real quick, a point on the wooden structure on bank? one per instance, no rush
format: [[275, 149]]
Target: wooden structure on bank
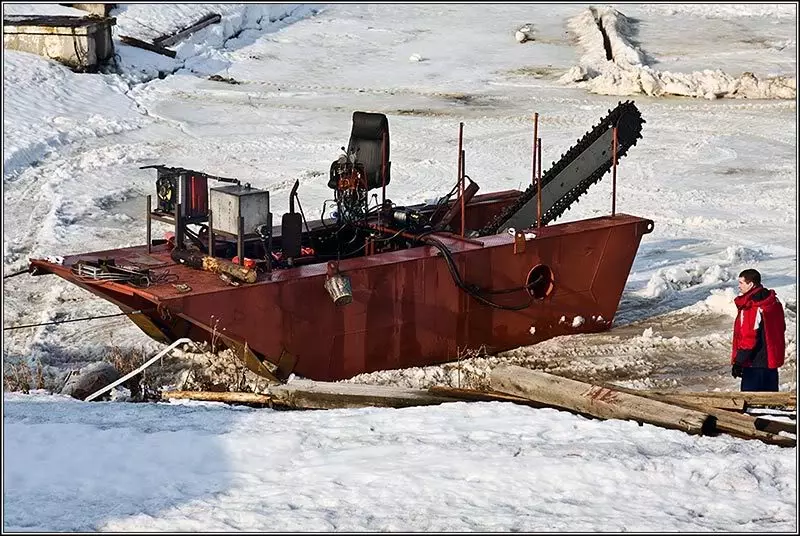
[[81, 43]]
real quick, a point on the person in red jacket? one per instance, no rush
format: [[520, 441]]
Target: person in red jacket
[[758, 343]]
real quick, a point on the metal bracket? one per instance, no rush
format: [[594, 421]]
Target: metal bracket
[[519, 242]]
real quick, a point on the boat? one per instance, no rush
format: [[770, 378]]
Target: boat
[[373, 285]]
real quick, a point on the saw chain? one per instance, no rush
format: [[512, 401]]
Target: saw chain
[[575, 181]]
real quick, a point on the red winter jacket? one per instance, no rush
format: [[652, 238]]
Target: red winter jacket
[[759, 308]]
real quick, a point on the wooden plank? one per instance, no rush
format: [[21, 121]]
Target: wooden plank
[[132, 41], [597, 401], [743, 426], [730, 399], [169, 40], [774, 426], [483, 396], [736, 424], [227, 397], [306, 394]]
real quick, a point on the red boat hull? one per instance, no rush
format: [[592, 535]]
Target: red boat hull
[[406, 309]]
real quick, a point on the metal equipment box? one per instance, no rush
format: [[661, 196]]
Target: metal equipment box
[[228, 203]]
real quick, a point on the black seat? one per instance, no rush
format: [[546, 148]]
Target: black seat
[[369, 140]]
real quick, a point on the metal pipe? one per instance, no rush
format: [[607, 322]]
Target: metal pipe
[[533, 151], [384, 145], [149, 362], [460, 156], [389, 230], [212, 250], [178, 227], [614, 175], [404, 234], [463, 193], [539, 182], [240, 241], [292, 195], [269, 243], [149, 224]]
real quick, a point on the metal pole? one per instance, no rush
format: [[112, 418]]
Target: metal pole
[[178, 227], [149, 362], [539, 183], [149, 224], [240, 241], [212, 250], [463, 193], [460, 177], [384, 146], [269, 243], [535, 137], [614, 175]]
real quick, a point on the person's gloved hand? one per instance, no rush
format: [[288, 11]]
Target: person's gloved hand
[[736, 370]]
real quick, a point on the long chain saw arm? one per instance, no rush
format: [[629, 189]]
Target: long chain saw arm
[[582, 165]]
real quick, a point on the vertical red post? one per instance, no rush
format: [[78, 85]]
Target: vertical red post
[[614, 174], [539, 182], [212, 249], [533, 150], [463, 192], [149, 224], [383, 168], [460, 169]]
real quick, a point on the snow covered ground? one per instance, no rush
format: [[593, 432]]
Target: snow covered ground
[[715, 171], [485, 467]]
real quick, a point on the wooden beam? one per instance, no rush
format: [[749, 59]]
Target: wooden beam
[[744, 426], [306, 394], [227, 397], [739, 425], [727, 399], [597, 401], [169, 40], [482, 396], [132, 41], [518, 385], [774, 426]]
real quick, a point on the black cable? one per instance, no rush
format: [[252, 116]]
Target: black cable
[[395, 235], [76, 320], [25, 271], [472, 290], [322, 217]]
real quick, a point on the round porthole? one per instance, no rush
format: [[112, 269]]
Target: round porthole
[[540, 281]]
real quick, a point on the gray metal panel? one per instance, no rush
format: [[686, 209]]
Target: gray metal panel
[[229, 202]]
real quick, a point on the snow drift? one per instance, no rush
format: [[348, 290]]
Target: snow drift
[[612, 65]]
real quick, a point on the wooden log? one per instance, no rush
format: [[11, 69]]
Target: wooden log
[[730, 399], [774, 426], [739, 425], [771, 426], [306, 394], [132, 41], [227, 397], [744, 426], [482, 396], [597, 401], [169, 40], [198, 260]]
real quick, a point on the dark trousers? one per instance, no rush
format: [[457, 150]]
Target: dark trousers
[[759, 379]]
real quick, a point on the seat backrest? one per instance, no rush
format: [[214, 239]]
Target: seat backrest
[[369, 139]]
